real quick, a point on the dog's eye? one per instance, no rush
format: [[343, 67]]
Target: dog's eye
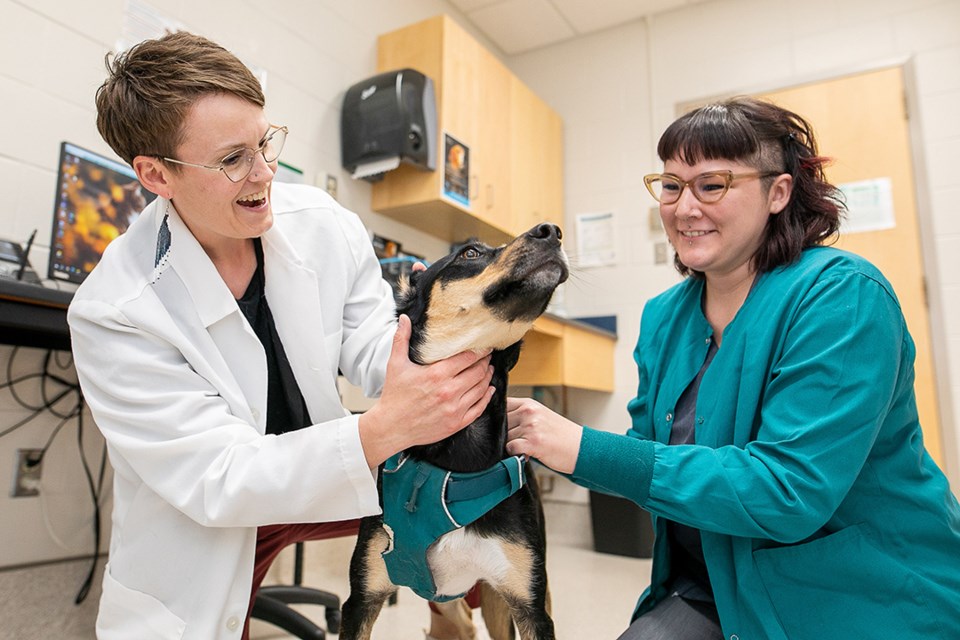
[[470, 253]]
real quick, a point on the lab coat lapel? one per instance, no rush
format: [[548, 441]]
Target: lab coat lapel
[[234, 344], [293, 293]]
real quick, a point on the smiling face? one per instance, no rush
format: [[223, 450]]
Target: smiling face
[[217, 211], [721, 238]]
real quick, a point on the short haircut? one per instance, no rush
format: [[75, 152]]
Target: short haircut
[[142, 105], [767, 137]]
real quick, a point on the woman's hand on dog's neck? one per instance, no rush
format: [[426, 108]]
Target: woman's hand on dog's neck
[[540, 433], [422, 404]]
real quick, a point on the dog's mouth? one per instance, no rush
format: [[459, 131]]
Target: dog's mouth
[[525, 293], [547, 275], [494, 303]]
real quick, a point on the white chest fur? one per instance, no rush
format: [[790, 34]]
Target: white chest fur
[[460, 558]]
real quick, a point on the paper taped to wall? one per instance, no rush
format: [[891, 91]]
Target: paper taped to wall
[[595, 239], [869, 205]]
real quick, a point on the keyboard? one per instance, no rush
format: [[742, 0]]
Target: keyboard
[[33, 293]]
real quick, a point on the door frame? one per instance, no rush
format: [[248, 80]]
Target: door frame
[[928, 251]]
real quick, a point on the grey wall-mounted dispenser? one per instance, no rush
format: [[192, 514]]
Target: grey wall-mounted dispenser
[[388, 119]]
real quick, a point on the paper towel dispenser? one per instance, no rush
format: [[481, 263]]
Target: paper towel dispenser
[[388, 119]]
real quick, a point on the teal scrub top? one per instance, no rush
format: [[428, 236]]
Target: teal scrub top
[[822, 515]]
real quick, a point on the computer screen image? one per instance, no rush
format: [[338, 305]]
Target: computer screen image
[[97, 200]]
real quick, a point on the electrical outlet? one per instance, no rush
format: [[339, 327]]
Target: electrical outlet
[[331, 186], [660, 253], [26, 482]]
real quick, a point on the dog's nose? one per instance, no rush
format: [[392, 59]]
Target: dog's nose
[[545, 231]]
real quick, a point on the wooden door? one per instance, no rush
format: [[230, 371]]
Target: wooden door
[[861, 122]]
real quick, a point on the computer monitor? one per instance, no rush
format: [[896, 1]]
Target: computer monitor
[[97, 200]]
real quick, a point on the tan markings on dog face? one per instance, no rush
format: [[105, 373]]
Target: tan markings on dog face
[[459, 320]]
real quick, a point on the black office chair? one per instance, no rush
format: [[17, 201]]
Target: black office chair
[[272, 605]]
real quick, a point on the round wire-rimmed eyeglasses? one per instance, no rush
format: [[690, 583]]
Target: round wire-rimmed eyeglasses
[[238, 164]]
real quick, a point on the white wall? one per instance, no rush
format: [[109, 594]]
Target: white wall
[[618, 90], [51, 63]]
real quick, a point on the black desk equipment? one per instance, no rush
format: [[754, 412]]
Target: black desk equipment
[[32, 315]]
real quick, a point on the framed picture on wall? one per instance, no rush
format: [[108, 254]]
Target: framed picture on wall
[[456, 170]]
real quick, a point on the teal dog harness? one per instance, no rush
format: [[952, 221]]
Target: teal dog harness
[[422, 502]]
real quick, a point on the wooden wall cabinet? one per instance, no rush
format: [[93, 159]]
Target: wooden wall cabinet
[[565, 353], [516, 180], [536, 160], [515, 140]]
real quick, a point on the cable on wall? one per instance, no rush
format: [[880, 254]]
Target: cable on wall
[[50, 403]]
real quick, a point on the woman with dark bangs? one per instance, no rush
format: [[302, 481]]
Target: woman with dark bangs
[[775, 436]]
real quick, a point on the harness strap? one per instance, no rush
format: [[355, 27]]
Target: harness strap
[[468, 496], [469, 486], [423, 474]]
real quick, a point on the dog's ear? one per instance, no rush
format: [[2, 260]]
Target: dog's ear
[[411, 298], [407, 287]]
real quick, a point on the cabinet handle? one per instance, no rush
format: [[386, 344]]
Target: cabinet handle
[[474, 186], [489, 196]]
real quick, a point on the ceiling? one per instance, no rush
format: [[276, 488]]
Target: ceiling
[[517, 26]]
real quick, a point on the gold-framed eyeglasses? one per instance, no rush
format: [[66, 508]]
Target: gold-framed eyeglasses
[[707, 187], [238, 164]]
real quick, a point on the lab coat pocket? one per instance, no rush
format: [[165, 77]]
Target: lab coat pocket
[[842, 586], [126, 613]]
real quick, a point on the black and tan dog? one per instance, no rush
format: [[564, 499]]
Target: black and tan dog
[[476, 298]]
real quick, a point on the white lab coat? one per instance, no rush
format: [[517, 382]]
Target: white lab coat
[[177, 383]]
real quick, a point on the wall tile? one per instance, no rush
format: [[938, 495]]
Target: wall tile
[[945, 203], [930, 26], [930, 67], [845, 47]]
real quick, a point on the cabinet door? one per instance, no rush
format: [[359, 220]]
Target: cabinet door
[[536, 164], [514, 141], [493, 155], [461, 97], [420, 47]]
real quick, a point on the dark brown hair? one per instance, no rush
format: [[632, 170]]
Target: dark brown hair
[[769, 138], [143, 102]]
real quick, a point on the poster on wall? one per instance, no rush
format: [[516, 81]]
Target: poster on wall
[[456, 170], [595, 239], [869, 205]]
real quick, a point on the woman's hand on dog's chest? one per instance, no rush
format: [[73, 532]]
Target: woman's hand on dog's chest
[[422, 404], [540, 433]]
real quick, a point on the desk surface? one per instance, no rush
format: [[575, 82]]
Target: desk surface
[[34, 316]]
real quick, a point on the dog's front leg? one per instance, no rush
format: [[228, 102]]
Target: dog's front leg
[[370, 584]]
